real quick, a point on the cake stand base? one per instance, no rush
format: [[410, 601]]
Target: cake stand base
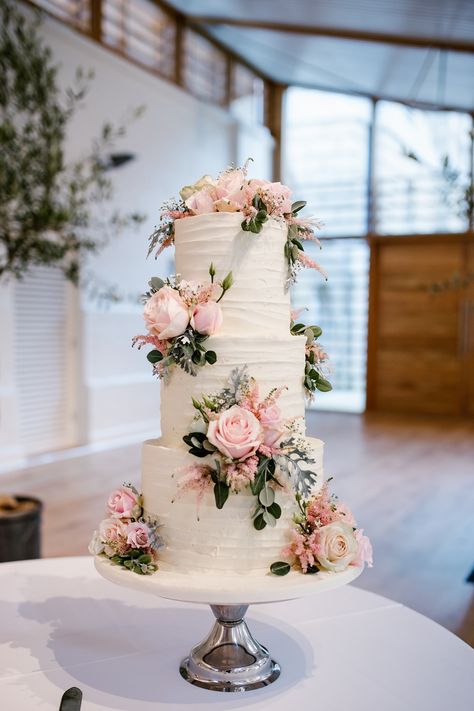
[[229, 659]]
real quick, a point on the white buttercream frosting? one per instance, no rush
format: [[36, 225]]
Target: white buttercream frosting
[[257, 304], [271, 361], [207, 538]]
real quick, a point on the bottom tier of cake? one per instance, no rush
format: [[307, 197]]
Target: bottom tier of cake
[[204, 537]]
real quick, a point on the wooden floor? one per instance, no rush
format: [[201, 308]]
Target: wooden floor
[[409, 481]]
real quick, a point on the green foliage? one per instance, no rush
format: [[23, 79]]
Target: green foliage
[[46, 205], [280, 568]]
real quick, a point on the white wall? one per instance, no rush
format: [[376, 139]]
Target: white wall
[[178, 139]]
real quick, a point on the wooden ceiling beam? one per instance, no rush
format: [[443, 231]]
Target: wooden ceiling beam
[[453, 45]]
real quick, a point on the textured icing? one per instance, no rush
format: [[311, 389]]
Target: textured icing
[[257, 304], [219, 539], [272, 362]]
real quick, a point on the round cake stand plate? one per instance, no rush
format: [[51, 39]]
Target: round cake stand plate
[[229, 659]]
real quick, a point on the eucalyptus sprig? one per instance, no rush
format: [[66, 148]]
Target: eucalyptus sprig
[[313, 377]]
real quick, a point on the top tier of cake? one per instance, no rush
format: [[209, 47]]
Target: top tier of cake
[[257, 304]]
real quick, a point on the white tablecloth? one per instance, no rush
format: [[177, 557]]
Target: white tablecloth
[[61, 625]]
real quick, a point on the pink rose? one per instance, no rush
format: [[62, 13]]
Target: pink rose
[[335, 546], [166, 314], [200, 202], [111, 530], [273, 426], [207, 318], [270, 416], [124, 503], [236, 433], [138, 535], [364, 552], [280, 197]]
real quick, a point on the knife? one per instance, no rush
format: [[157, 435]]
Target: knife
[[71, 700]]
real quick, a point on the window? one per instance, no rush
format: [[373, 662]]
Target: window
[[141, 30], [247, 95], [204, 69], [421, 168], [76, 12], [326, 163]]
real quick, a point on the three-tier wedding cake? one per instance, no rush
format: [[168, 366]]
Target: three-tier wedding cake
[[233, 484]]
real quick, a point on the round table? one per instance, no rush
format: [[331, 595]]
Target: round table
[[62, 625]]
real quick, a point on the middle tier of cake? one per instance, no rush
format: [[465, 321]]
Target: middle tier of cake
[[273, 362]]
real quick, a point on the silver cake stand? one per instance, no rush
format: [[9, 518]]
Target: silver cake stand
[[229, 659]]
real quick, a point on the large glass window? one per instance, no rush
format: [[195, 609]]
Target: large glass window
[[422, 166], [326, 163]]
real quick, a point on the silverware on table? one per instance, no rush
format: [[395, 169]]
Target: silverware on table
[[71, 700]]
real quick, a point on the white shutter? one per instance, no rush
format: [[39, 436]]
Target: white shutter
[[43, 356]]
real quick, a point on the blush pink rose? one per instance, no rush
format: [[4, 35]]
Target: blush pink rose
[[166, 314], [138, 535], [111, 530], [280, 196], [364, 552], [201, 202], [207, 318], [124, 503], [336, 546], [273, 426], [236, 433]]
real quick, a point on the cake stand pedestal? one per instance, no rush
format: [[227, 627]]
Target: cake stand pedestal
[[229, 659]]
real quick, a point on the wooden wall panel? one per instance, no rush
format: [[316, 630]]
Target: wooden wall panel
[[418, 351]]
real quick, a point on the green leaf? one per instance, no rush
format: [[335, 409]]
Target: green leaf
[[259, 481], [316, 330], [266, 496], [154, 356], [298, 328], [156, 283], [275, 510], [297, 243], [312, 569], [198, 452], [145, 559], [245, 226], [221, 493], [261, 216], [210, 357], [196, 357], [280, 568], [255, 226], [324, 385], [259, 522], [269, 519], [297, 206]]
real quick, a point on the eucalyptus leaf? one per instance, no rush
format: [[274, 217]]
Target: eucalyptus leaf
[[210, 357], [297, 206], [275, 510], [280, 568], [154, 356], [266, 496], [269, 519], [259, 522], [156, 283], [324, 385]]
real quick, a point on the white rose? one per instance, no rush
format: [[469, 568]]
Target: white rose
[[96, 547], [337, 547], [188, 190]]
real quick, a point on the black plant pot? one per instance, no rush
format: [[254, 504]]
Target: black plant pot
[[20, 532]]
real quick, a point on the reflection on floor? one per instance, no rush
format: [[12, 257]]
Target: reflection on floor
[[408, 480]]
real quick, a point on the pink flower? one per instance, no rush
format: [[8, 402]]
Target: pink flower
[[124, 503], [335, 546], [272, 437], [236, 433], [200, 202], [364, 552], [270, 416], [166, 314], [138, 535], [279, 198], [207, 318], [111, 530], [240, 474]]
